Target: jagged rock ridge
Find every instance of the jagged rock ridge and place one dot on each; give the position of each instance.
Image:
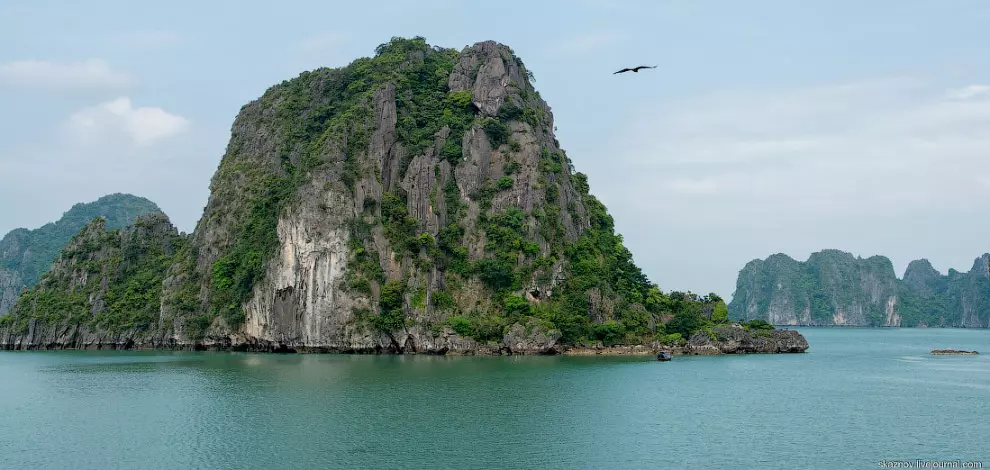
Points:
(835, 288)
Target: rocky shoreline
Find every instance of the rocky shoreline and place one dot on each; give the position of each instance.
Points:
(727, 340)
(519, 340)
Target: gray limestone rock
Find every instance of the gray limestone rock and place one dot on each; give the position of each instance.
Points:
(734, 339)
(534, 337)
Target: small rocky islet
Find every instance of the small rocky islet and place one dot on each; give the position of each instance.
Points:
(416, 201)
(953, 352)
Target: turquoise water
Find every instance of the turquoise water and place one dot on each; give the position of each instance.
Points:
(857, 397)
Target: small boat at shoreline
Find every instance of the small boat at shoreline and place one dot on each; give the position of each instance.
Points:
(953, 352)
(663, 356)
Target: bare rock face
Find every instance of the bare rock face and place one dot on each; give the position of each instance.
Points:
(302, 304)
(487, 69)
(11, 285)
(496, 70)
(534, 337)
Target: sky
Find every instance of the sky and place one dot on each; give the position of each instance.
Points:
(768, 126)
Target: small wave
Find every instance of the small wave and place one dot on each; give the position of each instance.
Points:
(912, 359)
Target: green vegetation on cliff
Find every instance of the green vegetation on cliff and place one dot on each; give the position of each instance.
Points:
(418, 73)
(325, 121)
(835, 288)
(414, 199)
(103, 280)
(29, 253)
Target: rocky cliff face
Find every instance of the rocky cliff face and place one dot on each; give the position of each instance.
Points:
(414, 201)
(26, 255)
(834, 288)
(11, 285)
(424, 175)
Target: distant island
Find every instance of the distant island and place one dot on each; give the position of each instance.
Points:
(416, 201)
(834, 288)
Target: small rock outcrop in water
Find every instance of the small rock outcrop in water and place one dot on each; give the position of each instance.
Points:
(26, 255)
(531, 338)
(953, 352)
(416, 201)
(834, 288)
(736, 340)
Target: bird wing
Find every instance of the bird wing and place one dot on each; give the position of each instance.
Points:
(645, 67)
(623, 70)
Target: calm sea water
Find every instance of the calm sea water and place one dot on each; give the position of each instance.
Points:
(857, 397)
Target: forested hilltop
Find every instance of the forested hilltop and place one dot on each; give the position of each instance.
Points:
(835, 288)
(26, 255)
(414, 201)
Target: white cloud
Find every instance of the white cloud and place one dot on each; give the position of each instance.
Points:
(88, 74)
(589, 43)
(119, 119)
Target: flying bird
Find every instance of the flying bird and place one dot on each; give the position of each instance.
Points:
(635, 69)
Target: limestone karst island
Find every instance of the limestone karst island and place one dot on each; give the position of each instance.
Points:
(412, 202)
(356, 235)
(834, 288)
